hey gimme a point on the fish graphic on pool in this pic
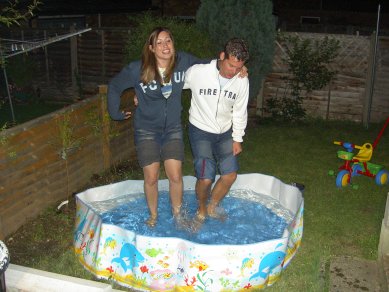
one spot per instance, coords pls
(268, 263)
(129, 257)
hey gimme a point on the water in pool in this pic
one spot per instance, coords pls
(252, 218)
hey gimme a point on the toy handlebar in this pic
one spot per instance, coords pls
(348, 145)
(345, 144)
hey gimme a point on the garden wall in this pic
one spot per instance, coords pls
(47, 159)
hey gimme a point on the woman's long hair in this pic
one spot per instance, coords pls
(149, 62)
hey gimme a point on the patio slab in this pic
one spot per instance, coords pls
(354, 274)
(23, 279)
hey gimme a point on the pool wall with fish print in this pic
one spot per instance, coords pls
(166, 263)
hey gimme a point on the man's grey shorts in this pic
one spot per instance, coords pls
(159, 146)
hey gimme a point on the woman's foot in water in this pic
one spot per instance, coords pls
(182, 221)
(152, 221)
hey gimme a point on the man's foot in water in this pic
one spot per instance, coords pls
(197, 222)
(217, 213)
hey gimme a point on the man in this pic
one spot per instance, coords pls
(217, 121)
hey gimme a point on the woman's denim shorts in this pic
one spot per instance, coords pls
(153, 146)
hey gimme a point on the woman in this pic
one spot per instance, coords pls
(158, 80)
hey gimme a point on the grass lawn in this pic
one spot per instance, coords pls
(337, 221)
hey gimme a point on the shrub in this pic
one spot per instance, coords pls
(307, 62)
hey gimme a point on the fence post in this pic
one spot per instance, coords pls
(103, 89)
(328, 100)
(260, 99)
(369, 83)
(73, 58)
(103, 67)
(46, 59)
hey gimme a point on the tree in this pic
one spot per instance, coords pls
(186, 36)
(13, 13)
(251, 20)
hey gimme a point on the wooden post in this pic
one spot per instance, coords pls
(103, 67)
(46, 59)
(73, 58)
(369, 83)
(328, 100)
(260, 106)
(103, 89)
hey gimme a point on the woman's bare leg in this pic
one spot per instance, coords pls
(173, 169)
(151, 175)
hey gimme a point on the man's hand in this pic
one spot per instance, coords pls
(236, 148)
(135, 100)
(127, 115)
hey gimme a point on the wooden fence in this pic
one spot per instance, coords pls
(100, 54)
(380, 98)
(72, 69)
(38, 166)
(346, 97)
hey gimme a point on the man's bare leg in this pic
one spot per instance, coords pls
(219, 191)
(203, 188)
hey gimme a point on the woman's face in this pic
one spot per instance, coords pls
(163, 48)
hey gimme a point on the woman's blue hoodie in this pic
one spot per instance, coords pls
(154, 112)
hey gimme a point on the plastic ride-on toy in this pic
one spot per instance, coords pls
(360, 164)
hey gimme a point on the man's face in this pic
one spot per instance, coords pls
(230, 66)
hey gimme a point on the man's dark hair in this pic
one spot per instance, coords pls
(237, 48)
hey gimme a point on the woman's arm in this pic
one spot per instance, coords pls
(117, 85)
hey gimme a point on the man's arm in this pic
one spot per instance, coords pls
(239, 113)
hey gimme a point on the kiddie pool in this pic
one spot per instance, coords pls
(168, 263)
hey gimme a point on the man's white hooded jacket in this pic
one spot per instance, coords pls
(215, 109)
